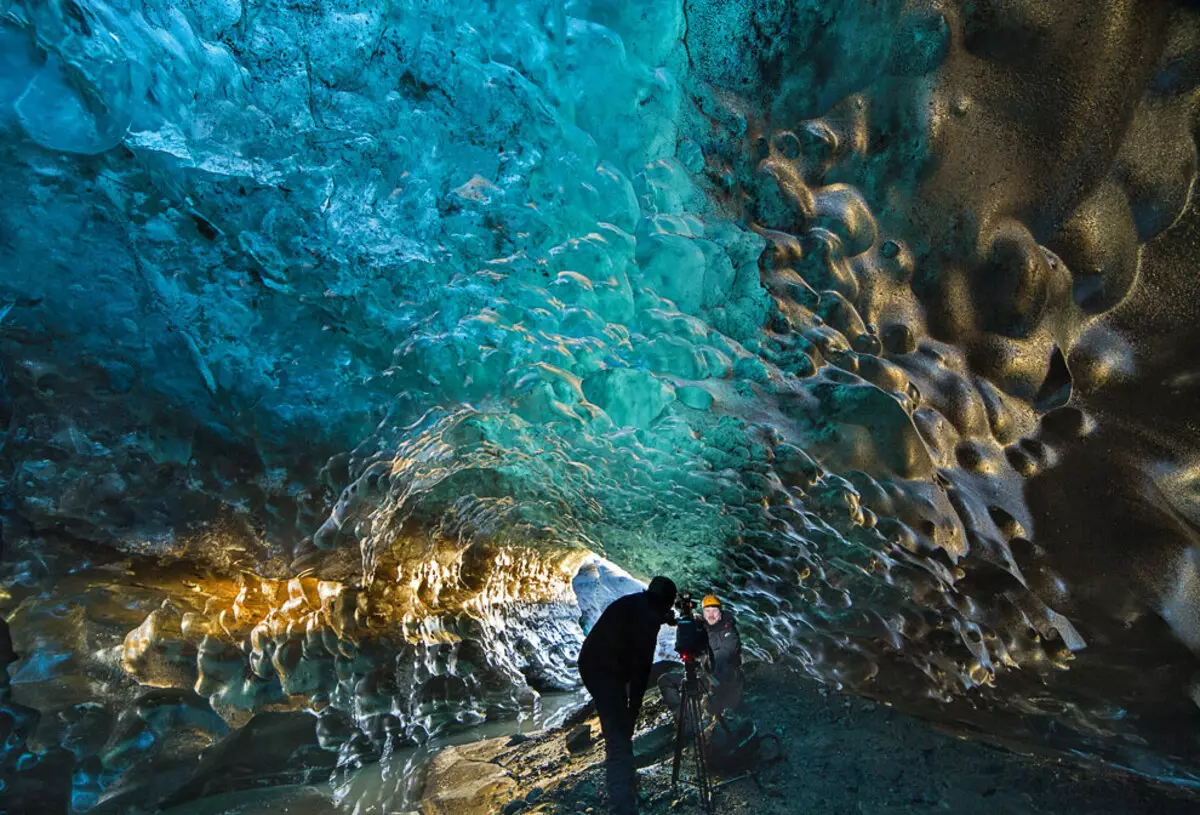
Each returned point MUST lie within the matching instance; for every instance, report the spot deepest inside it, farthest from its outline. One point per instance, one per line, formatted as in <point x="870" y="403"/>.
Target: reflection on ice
<point x="391" y="786"/>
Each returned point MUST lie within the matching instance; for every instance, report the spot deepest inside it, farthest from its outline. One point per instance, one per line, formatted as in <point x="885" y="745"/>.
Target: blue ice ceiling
<point x="837" y="307"/>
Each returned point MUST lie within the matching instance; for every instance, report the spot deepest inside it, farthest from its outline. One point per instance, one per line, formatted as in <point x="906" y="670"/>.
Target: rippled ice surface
<point x="338" y="337"/>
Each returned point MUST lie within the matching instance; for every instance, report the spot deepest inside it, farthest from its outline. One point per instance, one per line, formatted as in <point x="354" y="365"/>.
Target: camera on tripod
<point x="691" y="643"/>
<point x="691" y="638"/>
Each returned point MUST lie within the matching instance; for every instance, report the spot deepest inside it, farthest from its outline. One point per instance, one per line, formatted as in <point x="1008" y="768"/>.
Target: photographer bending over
<point x="615" y="666"/>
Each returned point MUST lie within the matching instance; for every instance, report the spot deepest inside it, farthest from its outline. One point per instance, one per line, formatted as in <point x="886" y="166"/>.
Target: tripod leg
<point x="706" y="792"/>
<point x="691" y="714"/>
<point x="680" y="715"/>
<point x="703" y="783"/>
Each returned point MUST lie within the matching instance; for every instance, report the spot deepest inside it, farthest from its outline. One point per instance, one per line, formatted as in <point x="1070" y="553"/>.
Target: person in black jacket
<point x="725" y="644"/>
<point x="615" y="666"/>
<point x="722" y="660"/>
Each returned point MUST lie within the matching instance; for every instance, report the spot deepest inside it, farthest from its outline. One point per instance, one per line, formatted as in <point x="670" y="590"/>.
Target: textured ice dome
<point x="340" y="330"/>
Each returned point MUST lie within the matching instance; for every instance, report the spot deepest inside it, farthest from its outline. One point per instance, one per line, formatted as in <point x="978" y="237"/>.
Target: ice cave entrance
<point x="597" y="583"/>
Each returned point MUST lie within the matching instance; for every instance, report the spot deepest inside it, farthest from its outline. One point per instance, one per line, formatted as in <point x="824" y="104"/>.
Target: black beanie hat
<point x="662" y="588"/>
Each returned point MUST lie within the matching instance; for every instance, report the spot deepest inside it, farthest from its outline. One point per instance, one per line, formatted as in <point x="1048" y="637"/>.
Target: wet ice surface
<point x="335" y="336"/>
<point x="394" y="784"/>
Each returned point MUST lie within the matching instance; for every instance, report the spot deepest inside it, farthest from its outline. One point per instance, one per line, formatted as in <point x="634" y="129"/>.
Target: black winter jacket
<point x="726" y="645"/>
<point x="622" y="643"/>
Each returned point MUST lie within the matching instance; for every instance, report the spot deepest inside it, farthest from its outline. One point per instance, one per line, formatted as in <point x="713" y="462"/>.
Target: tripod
<point x="691" y="713"/>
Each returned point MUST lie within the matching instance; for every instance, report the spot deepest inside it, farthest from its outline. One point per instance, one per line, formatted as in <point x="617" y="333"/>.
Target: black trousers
<point x="611" y="694"/>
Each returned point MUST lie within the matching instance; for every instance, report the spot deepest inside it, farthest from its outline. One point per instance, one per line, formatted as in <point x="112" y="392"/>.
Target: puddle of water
<point x="393" y="785"/>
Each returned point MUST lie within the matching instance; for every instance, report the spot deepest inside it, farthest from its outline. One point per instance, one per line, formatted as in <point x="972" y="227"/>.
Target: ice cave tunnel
<point x="355" y="353"/>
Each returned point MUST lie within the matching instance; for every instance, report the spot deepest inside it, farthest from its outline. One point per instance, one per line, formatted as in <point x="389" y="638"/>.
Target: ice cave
<point x="356" y="354"/>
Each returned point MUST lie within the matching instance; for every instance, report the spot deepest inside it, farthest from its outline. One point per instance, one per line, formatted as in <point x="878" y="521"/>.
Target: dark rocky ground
<point x="840" y="755"/>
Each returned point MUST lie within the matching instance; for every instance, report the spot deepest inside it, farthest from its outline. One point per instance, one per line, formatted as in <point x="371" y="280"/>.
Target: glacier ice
<point x="338" y="335"/>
